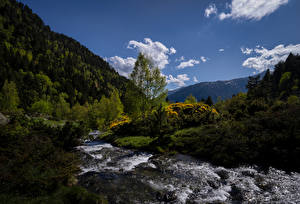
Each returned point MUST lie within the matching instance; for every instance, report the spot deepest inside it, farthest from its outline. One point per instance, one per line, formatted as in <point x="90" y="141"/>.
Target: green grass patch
<point x="136" y="142"/>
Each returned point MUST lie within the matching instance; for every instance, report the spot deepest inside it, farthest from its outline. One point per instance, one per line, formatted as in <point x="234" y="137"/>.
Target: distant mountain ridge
<point x="223" y="89"/>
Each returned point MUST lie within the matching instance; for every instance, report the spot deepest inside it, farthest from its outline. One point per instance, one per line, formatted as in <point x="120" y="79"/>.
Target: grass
<point x="135" y="142"/>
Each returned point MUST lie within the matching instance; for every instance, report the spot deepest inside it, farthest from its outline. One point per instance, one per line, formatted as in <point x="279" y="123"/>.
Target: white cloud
<point x="195" y="79"/>
<point x="157" y="52"/>
<point x="189" y="63"/>
<point x="246" y="51"/>
<point x="203" y="59"/>
<point x="172" y="50"/>
<point x="252" y="9"/>
<point x="211" y="9"/>
<point x="179" y="80"/>
<point x="266" y="59"/>
<point x="123" y="66"/>
<point x="221" y="50"/>
<point x="179" y="59"/>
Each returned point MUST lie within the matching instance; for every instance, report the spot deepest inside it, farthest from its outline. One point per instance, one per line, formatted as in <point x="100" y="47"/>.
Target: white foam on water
<point x="156" y="185"/>
<point x="130" y="163"/>
<point x="183" y="194"/>
<point x="92" y="148"/>
<point x="97" y="156"/>
<point x="89" y="169"/>
<point x="196" y="170"/>
<point x="152" y="165"/>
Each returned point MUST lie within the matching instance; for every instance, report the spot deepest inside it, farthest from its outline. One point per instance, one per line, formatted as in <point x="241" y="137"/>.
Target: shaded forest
<point x="48" y="65"/>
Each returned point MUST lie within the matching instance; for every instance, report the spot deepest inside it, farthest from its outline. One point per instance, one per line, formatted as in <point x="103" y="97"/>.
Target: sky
<point x="191" y="41"/>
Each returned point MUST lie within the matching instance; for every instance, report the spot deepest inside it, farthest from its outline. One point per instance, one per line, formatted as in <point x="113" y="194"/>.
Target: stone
<point x="3" y="119"/>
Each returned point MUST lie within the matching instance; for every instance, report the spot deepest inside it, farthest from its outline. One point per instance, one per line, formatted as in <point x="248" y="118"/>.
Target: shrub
<point x="134" y="142"/>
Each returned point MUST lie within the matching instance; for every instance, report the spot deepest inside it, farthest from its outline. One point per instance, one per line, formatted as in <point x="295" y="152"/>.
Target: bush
<point x="137" y="142"/>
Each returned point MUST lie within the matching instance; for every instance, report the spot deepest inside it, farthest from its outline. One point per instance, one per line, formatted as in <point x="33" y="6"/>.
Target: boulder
<point x="166" y="196"/>
<point x="3" y="119"/>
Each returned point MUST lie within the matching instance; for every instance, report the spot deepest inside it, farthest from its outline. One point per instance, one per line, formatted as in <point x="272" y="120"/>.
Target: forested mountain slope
<point x="222" y="89"/>
<point x="45" y="64"/>
<point x="217" y="89"/>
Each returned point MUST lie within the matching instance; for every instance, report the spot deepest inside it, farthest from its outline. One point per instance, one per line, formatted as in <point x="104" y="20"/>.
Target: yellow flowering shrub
<point x="188" y="115"/>
<point x="176" y="109"/>
<point x="124" y="119"/>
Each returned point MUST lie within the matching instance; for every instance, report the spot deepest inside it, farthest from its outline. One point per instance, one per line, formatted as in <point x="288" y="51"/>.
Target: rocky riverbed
<point x="126" y="176"/>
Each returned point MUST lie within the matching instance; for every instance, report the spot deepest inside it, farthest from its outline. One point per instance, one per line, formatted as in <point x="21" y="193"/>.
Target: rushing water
<point x="126" y="176"/>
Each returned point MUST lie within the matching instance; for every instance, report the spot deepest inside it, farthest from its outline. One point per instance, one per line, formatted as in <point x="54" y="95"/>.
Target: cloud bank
<point x="189" y="63"/>
<point x="179" y="80"/>
<point x="211" y="9"/>
<point x="157" y="52"/>
<point x="252" y="9"/>
<point x="246" y="51"/>
<point x="123" y="66"/>
<point x="266" y="59"/>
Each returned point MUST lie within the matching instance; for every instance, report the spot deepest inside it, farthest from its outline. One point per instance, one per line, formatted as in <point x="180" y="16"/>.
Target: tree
<point x="209" y="101"/>
<point x="252" y="84"/>
<point x="132" y="102"/>
<point x="42" y="106"/>
<point x="150" y="82"/>
<point x="105" y="111"/>
<point x="190" y="99"/>
<point x="79" y="112"/>
<point x="9" y="99"/>
<point x="62" y="106"/>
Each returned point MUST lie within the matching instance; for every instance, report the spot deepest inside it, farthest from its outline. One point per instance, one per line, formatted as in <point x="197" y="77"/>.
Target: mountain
<point x="45" y="65"/>
<point x="222" y="89"/>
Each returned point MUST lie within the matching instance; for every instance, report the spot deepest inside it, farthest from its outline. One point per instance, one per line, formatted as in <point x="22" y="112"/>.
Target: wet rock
<point x="249" y="172"/>
<point x="3" y="119"/>
<point x="223" y="174"/>
<point x="263" y="184"/>
<point x="236" y="193"/>
<point x="213" y="184"/>
<point x="166" y="197"/>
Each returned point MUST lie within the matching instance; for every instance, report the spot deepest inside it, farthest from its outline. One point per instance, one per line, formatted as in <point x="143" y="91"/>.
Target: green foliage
<point x="102" y="113"/>
<point x="137" y="142"/>
<point x="9" y="99"/>
<point x="79" y="113"/>
<point x="190" y="99"/>
<point x="68" y="136"/>
<point x="209" y="101"/>
<point x="150" y="83"/>
<point x="293" y="100"/>
<point x="43" y="107"/>
<point x="43" y="64"/>
<point x="35" y="161"/>
<point x="62" y="109"/>
<point x="284" y="80"/>
<point x="114" y="107"/>
<point x="132" y="102"/>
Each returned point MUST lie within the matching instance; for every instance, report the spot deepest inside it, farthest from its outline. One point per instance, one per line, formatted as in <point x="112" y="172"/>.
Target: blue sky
<point x="190" y="40"/>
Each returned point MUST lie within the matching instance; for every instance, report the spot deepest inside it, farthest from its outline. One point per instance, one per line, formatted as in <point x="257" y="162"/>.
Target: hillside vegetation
<point x="49" y="66"/>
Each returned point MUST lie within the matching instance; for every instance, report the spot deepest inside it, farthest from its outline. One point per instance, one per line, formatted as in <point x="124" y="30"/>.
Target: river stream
<point x="127" y="176"/>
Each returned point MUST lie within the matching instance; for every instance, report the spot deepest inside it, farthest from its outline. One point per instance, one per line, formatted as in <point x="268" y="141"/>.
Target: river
<point x="127" y="176"/>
